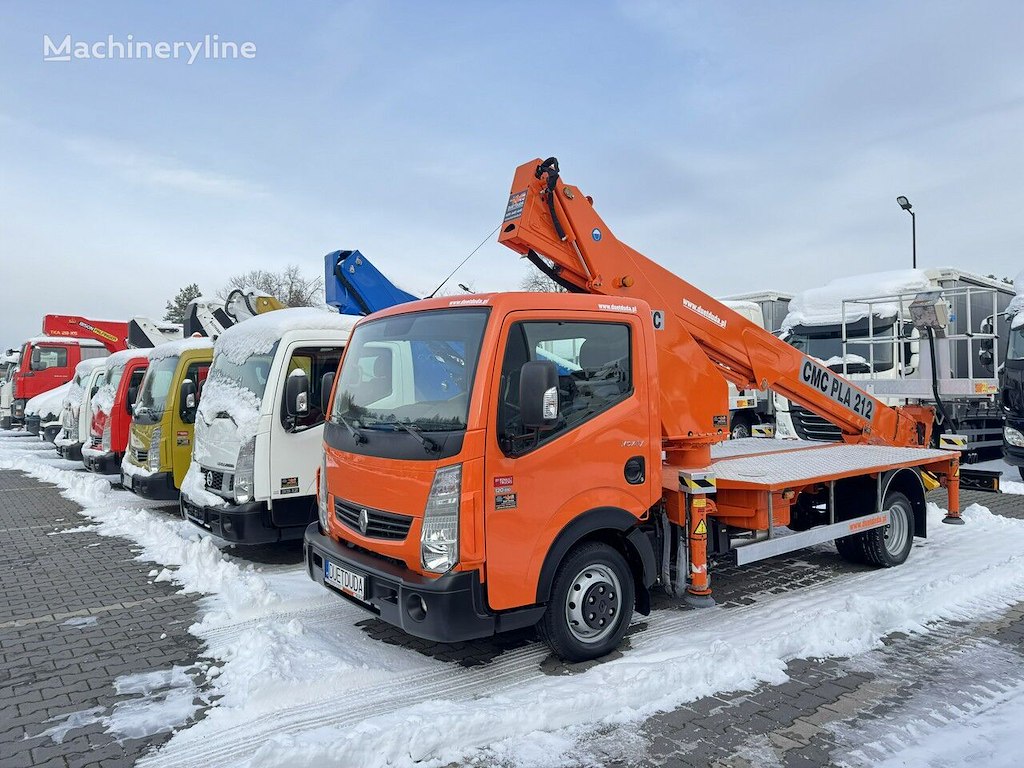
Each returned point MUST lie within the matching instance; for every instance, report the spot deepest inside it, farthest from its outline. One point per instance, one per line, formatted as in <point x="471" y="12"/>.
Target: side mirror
<point x="297" y="393"/>
<point x="37" y="359"/>
<point x="188" y="401"/>
<point x="326" y="385"/>
<point x="538" y="394"/>
<point x="133" y="393"/>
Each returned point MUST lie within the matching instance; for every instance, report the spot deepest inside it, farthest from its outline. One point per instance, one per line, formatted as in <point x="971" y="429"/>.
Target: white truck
<point x="774" y="306"/>
<point x="870" y="328"/>
<point x="254" y="459"/>
<point x="74" y="433"/>
<point x="43" y="412"/>
<point x="750" y="410"/>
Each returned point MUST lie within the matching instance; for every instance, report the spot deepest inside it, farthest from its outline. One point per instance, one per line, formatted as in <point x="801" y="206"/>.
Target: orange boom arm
<point x="701" y="342"/>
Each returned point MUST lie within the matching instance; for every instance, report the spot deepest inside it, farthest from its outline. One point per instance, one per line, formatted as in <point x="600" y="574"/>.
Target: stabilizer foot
<point x="699" y="601"/>
<point x="950" y="520"/>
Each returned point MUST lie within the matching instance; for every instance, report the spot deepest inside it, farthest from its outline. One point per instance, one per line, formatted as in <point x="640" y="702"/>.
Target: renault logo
<point x="364" y="520"/>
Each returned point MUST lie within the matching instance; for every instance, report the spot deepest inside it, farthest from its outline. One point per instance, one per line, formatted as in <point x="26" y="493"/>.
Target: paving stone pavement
<point x="830" y="712"/>
<point x="77" y="611"/>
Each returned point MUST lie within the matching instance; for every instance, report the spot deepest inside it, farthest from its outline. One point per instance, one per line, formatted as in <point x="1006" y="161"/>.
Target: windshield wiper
<point x="357" y="436"/>
<point x="428" y="445"/>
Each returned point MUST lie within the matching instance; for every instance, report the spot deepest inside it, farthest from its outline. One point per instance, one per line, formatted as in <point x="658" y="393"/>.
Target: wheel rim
<point x="897" y="531"/>
<point x="593" y="604"/>
<point x="740" y="431"/>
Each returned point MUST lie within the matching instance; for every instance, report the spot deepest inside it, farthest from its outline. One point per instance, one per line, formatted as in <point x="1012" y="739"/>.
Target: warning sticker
<point x="289" y="482"/>
<point x="514" y="209"/>
<point x="181" y="438"/>
<point x="505" y="501"/>
<point x="837" y="389"/>
<point x="701" y="529"/>
<point x="720" y="421"/>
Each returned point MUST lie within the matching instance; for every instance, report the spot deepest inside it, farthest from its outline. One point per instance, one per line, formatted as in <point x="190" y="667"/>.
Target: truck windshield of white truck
<point x="252" y="374"/>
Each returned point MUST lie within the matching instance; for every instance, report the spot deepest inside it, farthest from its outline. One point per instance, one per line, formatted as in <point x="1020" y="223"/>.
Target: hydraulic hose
<point x="935" y="381"/>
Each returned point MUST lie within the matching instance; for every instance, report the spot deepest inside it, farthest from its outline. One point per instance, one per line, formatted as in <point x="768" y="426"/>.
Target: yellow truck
<point x="163" y="420"/>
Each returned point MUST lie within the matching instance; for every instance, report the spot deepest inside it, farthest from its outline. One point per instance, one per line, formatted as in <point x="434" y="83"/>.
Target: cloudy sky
<point x="744" y="145"/>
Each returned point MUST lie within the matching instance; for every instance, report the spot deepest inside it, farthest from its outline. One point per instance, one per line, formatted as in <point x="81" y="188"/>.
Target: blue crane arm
<point x="355" y="287"/>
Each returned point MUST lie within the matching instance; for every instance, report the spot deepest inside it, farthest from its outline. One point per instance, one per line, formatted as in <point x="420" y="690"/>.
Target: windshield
<point x="156" y="384"/>
<point x="1016" y="348"/>
<point x="252" y="374"/>
<point x="826" y="343"/>
<point x="415" y="368"/>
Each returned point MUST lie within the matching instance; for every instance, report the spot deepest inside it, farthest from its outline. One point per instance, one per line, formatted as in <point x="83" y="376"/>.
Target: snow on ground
<point x="298" y="683"/>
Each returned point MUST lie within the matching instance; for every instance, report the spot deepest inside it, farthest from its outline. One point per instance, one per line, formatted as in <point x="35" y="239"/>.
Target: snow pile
<point x="131" y="469"/>
<point x="824" y="305"/>
<point x="257" y="335"/>
<point x="1013" y="309"/>
<point x="49" y="404"/>
<point x="176" y="348"/>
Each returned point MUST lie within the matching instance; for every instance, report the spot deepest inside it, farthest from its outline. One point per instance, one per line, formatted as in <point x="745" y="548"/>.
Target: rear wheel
<point x="887" y="546"/>
<point x="741" y="426"/>
<point x="591" y="603"/>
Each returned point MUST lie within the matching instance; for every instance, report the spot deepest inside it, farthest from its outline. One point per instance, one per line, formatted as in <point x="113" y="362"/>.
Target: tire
<point x="884" y="547"/>
<point x="600" y="576"/>
<point x="740" y="427"/>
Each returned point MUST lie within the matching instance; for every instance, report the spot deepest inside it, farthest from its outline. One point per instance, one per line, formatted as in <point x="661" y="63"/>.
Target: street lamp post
<point x="906" y="206"/>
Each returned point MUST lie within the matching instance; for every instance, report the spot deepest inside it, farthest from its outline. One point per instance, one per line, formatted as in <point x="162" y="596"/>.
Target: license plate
<point x="348" y="582"/>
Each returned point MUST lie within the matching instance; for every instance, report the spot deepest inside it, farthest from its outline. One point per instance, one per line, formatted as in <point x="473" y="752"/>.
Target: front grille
<point x="95" y="442"/>
<point x="217" y="481"/>
<point x="140" y="456"/>
<point x="379" y="524"/>
<point x="810" y="426"/>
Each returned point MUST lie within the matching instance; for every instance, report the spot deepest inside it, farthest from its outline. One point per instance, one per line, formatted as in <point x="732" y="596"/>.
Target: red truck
<point x="112" y="411"/>
<point x="49" y="360"/>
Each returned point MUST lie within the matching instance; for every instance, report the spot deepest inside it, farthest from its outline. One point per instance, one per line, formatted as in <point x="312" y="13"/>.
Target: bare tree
<point x="289" y="286"/>
<point x="537" y="282"/>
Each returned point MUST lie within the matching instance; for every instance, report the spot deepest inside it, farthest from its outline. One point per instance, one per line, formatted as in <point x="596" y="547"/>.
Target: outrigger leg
<point x="952" y="483"/>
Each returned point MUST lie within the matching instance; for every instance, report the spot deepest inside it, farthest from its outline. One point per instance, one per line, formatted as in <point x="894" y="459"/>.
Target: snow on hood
<point x="824" y="305"/>
<point x="49" y="403"/>
<point x="1013" y="309"/>
<point x="257" y="335"/>
<point x="174" y="348"/>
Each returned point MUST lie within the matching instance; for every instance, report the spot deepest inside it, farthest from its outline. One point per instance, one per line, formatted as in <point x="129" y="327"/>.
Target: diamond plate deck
<point x="760" y="464"/>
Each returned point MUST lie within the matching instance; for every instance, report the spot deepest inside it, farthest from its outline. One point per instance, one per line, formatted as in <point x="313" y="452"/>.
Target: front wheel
<point x="887" y="546"/>
<point x="591" y="603"/>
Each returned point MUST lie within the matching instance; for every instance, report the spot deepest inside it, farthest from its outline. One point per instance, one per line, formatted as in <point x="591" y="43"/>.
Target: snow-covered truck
<point x="163" y="422"/>
<point x="111" y="411"/>
<point x="75" y="414"/>
<point x="43" y="412"/>
<point x="1012" y="384"/>
<point x="863" y="327"/>
<point x="252" y="475"/>
<point x="774" y="306"/>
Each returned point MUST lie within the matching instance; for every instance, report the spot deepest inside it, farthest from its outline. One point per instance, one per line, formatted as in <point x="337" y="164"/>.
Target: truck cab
<point x="74" y="432"/>
<point x="111" y="411"/>
<point x="1012" y="390"/>
<point x="46" y="362"/>
<point x="163" y="421"/>
<point x="252" y="475"/>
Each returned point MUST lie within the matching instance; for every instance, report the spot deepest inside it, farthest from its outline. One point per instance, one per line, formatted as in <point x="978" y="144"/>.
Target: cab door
<point x="597" y="455"/>
<point x="182" y="421"/>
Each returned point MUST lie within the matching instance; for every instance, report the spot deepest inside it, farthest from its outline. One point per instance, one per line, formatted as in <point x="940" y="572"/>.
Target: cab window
<point x="314" y="362"/>
<point x="594" y="374"/>
<point x="197" y="373"/>
<point x="50" y="357"/>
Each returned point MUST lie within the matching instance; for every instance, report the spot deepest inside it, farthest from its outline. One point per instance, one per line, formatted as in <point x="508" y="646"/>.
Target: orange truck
<point x="496" y="461"/>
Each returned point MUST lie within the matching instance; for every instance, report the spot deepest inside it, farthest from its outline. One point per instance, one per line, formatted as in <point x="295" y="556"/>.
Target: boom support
<point x="701" y="342"/>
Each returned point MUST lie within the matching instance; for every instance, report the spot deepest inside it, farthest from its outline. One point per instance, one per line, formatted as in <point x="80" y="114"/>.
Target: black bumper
<point x="108" y="463"/>
<point x="50" y="433"/>
<point x="241" y="523"/>
<point x="32" y="424"/>
<point x="159" y="486"/>
<point x="456" y="607"/>
<point x="72" y="452"/>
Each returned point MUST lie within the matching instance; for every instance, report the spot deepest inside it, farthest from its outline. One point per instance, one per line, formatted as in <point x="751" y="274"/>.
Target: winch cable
<point x="452" y="273"/>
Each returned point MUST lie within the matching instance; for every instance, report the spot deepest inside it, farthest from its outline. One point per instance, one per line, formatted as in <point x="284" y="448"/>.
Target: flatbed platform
<point x="761" y="464"/>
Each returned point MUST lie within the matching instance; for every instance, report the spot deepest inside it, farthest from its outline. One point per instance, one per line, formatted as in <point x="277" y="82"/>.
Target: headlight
<point x="439" y="541"/>
<point x="244" y="471"/>
<point x="107" y="441"/>
<point x="154" y="450"/>
<point x="19" y="408"/>
<point x="321" y="481"/>
<point x="1013" y="436"/>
